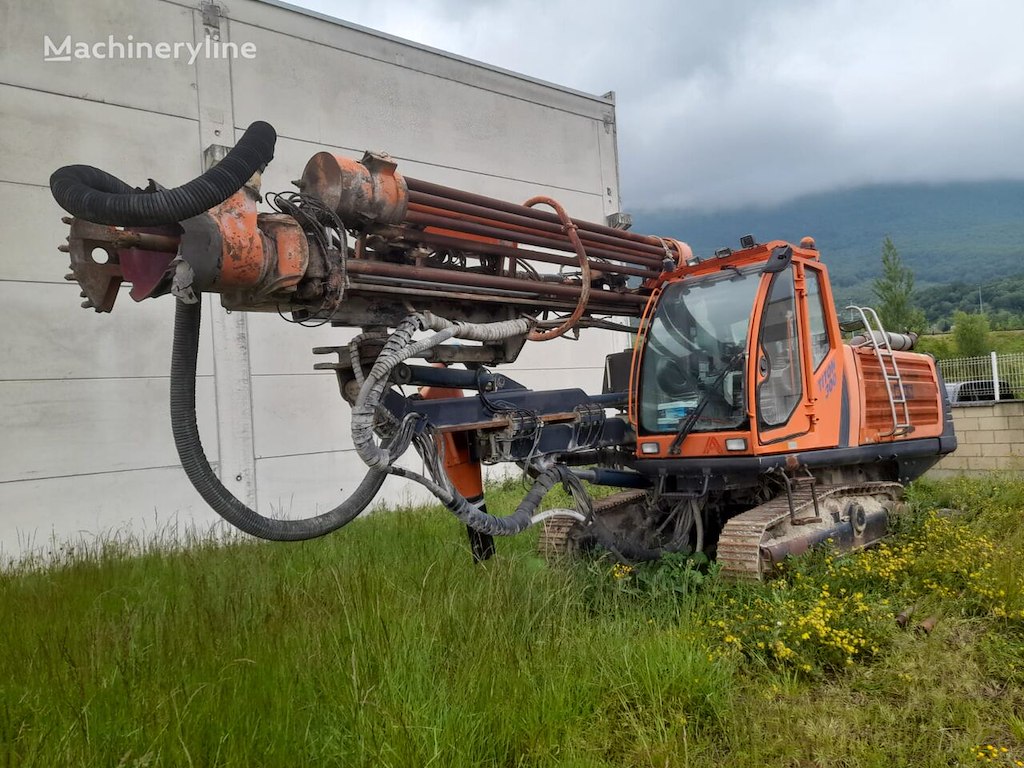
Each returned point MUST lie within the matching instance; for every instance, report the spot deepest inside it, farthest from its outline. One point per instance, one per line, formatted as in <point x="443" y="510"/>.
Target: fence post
<point x="995" y="375"/>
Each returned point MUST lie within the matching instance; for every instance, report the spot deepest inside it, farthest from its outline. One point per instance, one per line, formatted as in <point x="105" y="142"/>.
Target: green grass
<point x="383" y="645"/>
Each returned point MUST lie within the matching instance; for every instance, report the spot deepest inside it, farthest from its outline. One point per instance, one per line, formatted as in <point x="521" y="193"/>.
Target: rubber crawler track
<point x="555" y="536"/>
<point x="739" y="546"/>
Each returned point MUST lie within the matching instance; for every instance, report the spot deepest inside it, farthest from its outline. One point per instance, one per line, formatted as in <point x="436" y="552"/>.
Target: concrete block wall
<point x="990" y="438"/>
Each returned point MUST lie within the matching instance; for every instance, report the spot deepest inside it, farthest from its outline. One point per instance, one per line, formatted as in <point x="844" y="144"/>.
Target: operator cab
<point x="735" y="355"/>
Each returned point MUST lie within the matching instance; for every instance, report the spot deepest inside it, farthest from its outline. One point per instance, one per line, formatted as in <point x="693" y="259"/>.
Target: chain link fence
<point x="984" y="379"/>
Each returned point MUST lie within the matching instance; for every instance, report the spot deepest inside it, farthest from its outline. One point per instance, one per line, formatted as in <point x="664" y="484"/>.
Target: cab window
<point x="694" y="355"/>
<point x="779" y="354"/>
<point x="820" y="343"/>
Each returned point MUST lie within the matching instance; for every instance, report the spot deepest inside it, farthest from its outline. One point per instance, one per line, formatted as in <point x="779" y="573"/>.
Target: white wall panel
<point x="86" y="442"/>
<point x="382" y="48"/>
<point x="74" y="427"/>
<point x="68" y="342"/>
<point x="570" y="355"/>
<point x="43" y="131"/>
<point x="579" y="203"/>
<point x="279" y="347"/>
<point x="363" y="102"/>
<point x="301" y="486"/>
<point x="295" y="414"/>
<point x="160" y="85"/>
<point x="145" y="504"/>
<point x="33" y="222"/>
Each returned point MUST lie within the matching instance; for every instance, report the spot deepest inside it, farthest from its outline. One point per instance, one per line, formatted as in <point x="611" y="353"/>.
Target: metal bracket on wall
<point x="211" y="19"/>
<point x="213" y="154"/>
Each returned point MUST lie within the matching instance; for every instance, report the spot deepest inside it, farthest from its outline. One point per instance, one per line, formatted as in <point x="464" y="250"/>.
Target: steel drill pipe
<point x="439" y="222"/>
<point x="498" y="230"/>
<point x="426" y="187"/>
<point x="626" y="301"/>
<point x="534" y="223"/>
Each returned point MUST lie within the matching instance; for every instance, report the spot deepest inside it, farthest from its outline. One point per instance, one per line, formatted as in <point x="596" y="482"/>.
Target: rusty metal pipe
<point x="377" y="284"/>
<point x="636" y="249"/>
<point x="499" y="231"/>
<point x="372" y="191"/>
<point x="413" y="273"/>
<point x="417" y="185"/>
<point x="434" y="232"/>
<point x="519" y="254"/>
<point x="415" y="217"/>
<point x="536" y="334"/>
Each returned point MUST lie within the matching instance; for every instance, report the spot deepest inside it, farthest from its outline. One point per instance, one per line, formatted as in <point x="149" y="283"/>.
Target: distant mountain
<point x="968" y="233"/>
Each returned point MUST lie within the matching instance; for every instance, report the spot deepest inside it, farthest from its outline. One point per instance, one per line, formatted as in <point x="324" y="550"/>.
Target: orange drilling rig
<point x="741" y="423"/>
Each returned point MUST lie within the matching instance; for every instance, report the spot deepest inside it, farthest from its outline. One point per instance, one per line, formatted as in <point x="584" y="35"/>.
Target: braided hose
<point x="399" y="347"/>
<point x="521" y="519"/>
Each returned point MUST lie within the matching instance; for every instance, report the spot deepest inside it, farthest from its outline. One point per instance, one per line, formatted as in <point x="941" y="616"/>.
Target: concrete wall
<point x="990" y="437"/>
<point x="86" y="444"/>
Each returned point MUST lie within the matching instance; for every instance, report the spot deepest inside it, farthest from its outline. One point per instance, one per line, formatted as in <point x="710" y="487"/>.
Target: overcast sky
<point x="725" y="103"/>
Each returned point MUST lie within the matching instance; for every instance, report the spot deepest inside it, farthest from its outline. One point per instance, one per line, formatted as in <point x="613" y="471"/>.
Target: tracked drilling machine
<point x="740" y="423"/>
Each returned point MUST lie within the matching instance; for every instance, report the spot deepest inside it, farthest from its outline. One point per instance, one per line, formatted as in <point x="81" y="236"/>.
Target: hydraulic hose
<point x="622" y="547"/>
<point x="193" y="460"/>
<point x="401" y="346"/>
<point x="510" y="525"/>
<point x="101" y="198"/>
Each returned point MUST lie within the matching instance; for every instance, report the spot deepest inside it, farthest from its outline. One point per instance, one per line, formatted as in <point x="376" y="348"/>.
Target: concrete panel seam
<point x="232" y="383"/>
<point x="38" y="478"/>
<point x="263" y="456"/>
<point x="24" y="184"/>
<point x="97" y="101"/>
<point x="294" y="373"/>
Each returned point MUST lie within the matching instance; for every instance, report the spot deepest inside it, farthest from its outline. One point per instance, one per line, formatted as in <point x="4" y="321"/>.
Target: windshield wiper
<point x="688" y="422"/>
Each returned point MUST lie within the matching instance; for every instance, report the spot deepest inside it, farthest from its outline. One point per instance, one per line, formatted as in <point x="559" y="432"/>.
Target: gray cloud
<point x="731" y="103"/>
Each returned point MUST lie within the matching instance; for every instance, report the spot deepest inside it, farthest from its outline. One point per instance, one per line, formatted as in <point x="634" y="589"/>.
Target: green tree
<point x="894" y="290"/>
<point x="971" y="333"/>
<point x="939" y="346"/>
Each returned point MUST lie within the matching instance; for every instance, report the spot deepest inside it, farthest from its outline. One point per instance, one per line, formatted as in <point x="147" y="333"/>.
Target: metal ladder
<point x="878" y="339"/>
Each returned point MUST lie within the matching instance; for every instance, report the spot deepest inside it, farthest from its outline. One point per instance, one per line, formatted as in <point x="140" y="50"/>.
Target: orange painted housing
<point x="920" y="384"/>
<point x="463" y="469"/>
<point x="368" y="190"/>
<point x="242" y="264"/>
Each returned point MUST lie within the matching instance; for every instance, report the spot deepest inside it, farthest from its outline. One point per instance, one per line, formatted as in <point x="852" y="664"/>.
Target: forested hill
<point x="967" y="233"/>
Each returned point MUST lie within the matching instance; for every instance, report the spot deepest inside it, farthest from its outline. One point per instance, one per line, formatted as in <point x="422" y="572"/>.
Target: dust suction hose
<point x="200" y="473"/>
<point x="101" y="198"/>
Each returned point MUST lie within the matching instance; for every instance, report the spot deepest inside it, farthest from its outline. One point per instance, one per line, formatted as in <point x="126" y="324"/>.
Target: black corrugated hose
<point x="200" y="473"/>
<point x="101" y="198"/>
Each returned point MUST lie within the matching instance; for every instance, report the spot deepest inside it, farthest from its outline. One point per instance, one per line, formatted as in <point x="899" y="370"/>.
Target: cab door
<point x="781" y="412"/>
